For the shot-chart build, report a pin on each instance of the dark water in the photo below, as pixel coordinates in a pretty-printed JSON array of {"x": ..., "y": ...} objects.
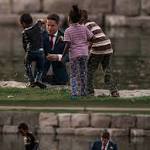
[
  {"x": 48, "y": 142},
  {"x": 131, "y": 60}
]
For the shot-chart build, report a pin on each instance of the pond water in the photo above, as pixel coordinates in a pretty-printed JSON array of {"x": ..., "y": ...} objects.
[
  {"x": 131, "y": 60},
  {"x": 49, "y": 142}
]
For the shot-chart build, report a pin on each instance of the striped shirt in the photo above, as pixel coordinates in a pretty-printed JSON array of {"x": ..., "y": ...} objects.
[
  {"x": 78, "y": 35},
  {"x": 100, "y": 44}
]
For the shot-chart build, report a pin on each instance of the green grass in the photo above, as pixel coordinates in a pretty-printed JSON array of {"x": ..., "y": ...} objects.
[{"x": 55, "y": 97}]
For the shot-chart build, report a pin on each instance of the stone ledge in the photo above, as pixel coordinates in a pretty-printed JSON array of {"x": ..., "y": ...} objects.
[
  {"x": 46, "y": 130},
  {"x": 9, "y": 129},
  {"x": 124, "y": 21},
  {"x": 65, "y": 131},
  {"x": 9, "y": 19},
  {"x": 140, "y": 132}
]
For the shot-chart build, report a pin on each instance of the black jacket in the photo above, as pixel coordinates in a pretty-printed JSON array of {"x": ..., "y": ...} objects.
[
  {"x": 30, "y": 143},
  {"x": 32, "y": 38}
]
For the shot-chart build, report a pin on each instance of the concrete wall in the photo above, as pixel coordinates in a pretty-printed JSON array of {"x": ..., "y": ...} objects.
[
  {"x": 76, "y": 123},
  {"x": 114, "y": 12}
]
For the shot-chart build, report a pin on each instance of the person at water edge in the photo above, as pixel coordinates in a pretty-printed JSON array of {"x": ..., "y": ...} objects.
[
  {"x": 76, "y": 37},
  {"x": 55, "y": 71},
  {"x": 32, "y": 39},
  {"x": 104, "y": 143},
  {"x": 30, "y": 142},
  {"x": 100, "y": 54}
]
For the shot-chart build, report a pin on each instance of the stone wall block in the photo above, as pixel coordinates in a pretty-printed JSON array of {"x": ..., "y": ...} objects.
[
  {"x": 80, "y": 120},
  {"x": 48, "y": 119},
  {"x": 146, "y": 6},
  {"x": 46, "y": 130},
  {"x": 128, "y": 7},
  {"x": 20, "y": 6},
  {"x": 88, "y": 131},
  {"x": 63, "y": 6},
  {"x": 5, "y": 118},
  {"x": 137, "y": 132},
  {"x": 93, "y": 6},
  {"x": 31, "y": 118},
  {"x": 64, "y": 120},
  {"x": 7, "y": 129},
  {"x": 143, "y": 122},
  {"x": 5, "y": 6},
  {"x": 118, "y": 132},
  {"x": 100, "y": 121},
  {"x": 120, "y": 121},
  {"x": 100, "y": 6},
  {"x": 65, "y": 131}
]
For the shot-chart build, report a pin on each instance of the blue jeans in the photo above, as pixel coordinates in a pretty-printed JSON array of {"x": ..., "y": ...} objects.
[{"x": 38, "y": 57}]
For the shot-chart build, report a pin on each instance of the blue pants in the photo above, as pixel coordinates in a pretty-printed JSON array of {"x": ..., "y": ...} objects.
[
  {"x": 38, "y": 57},
  {"x": 78, "y": 76}
]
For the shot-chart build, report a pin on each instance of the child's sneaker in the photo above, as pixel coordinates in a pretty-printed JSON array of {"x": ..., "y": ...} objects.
[
  {"x": 41, "y": 85},
  {"x": 31, "y": 84}
]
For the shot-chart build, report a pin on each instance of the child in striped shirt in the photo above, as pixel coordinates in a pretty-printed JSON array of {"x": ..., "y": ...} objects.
[
  {"x": 100, "y": 53},
  {"x": 76, "y": 38}
]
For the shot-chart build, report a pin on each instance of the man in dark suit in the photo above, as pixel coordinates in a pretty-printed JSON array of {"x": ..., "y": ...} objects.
[
  {"x": 104, "y": 143},
  {"x": 55, "y": 71}
]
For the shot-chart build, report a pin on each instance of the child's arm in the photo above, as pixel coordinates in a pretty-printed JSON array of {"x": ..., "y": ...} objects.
[
  {"x": 24, "y": 41},
  {"x": 66, "y": 50}
]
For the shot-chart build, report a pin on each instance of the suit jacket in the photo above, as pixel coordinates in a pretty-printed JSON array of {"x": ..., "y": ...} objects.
[
  {"x": 59, "y": 68},
  {"x": 98, "y": 146}
]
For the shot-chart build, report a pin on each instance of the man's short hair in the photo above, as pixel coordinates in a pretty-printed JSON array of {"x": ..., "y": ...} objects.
[
  {"x": 105, "y": 134},
  {"x": 54, "y": 17},
  {"x": 23, "y": 126},
  {"x": 26, "y": 18}
]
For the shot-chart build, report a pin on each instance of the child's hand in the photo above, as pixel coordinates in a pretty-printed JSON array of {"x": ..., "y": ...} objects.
[
  {"x": 63, "y": 60},
  {"x": 52, "y": 57}
]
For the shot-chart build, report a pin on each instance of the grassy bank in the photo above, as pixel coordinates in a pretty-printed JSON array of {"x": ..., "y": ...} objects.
[{"x": 61, "y": 97}]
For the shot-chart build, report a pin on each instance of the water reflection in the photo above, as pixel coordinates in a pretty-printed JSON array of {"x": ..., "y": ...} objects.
[
  {"x": 49, "y": 142},
  {"x": 131, "y": 63}
]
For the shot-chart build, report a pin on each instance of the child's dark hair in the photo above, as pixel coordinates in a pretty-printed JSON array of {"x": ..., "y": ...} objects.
[
  {"x": 75, "y": 14},
  {"x": 84, "y": 15},
  {"x": 26, "y": 18},
  {"x": 54, "y": 17},
  {"x": 23, "y": 126}
]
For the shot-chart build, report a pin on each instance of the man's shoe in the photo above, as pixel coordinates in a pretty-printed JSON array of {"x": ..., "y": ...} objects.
[
  {"x": 40, "y": 85},
  {"x": 115, "y": 94}
]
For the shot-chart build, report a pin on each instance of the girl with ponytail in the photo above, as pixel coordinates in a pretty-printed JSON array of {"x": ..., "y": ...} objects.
[{"x": 77, "y": 39}]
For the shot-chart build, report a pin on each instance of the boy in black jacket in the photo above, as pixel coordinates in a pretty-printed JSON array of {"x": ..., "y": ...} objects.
[
  {"x": 29, "y": 140},
  {"x": 33, "y": 46}
]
